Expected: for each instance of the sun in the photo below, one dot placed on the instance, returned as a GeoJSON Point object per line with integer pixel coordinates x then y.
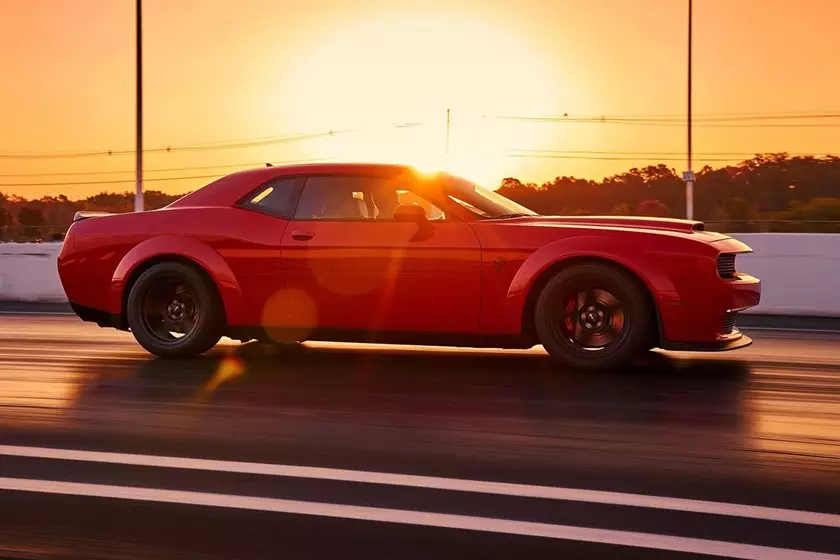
{"type": "Point", "coordinates": [392, 79]}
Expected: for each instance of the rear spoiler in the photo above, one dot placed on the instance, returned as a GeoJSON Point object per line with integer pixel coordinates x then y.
{"type": "Point", "coordinates": [84, 215]}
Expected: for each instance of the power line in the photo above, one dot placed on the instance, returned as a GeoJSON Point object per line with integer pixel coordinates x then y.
{"type": "Point", "coordinates": [167, 169]}
{"type": "Point", "coordinates": [113, 182]}
{"type": "Point", "coordinates": [711, 122]}
{"type": "Point", "coordinates": [189, 148]}
{"type": "Point", "coordinates": [221, 145]}
{"type": "Point", "coordinates": [682, 116]}
{"type": "Point", "coordinates": [518, 151]}
{"type": "Point", "coordinates": [149, 180]}
{"type": "Point", "coordinates": [611, 158]}
{"type": "Point", "coordinates": [678, 117]}
{"type": "Point", "coordinates": [616, 153]}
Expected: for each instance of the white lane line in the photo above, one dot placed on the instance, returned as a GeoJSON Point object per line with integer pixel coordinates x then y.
{"type": "Point", "coordinates": [56, 313]}
{"type": "Point", "coordinates": [437, 483]}
{"type": "Point", "coordinates": [420, 518]}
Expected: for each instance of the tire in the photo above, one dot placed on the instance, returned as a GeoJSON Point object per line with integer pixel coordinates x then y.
{"type": "Point", "coordinates": [174, 311]}
{"type": "Point", "coordinates": [593, 317]}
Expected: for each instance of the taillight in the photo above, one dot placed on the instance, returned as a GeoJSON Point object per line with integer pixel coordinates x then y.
{"type": "Point", "coordinates": [68, 244]}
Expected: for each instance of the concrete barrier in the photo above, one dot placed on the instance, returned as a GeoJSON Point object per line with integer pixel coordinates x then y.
{"type": "Point", "coordinates": [800, 272]}
{"type": "Point", "coordinates": [28, 272]}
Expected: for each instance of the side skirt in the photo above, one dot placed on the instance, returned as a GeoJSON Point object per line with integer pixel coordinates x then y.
{"type": "Point", "coordinates": [371, 337]}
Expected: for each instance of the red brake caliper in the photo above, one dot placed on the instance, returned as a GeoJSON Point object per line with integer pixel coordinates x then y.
{"type": "Point", "coordinates": [570, 316]}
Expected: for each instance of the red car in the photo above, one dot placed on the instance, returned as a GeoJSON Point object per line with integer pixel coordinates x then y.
{"type": "Point", "coordinates": [383, 253]}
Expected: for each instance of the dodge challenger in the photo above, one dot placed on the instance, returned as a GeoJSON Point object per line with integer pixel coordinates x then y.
{"type": "Point", "coordinates": [384, 253]}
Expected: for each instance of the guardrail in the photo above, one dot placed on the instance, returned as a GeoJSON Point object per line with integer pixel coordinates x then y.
{"type": "Point", "coordinates": [800, 272]}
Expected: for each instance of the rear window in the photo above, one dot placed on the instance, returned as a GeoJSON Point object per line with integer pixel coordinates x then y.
{"type": "Point", "coordinates": [276, 197]}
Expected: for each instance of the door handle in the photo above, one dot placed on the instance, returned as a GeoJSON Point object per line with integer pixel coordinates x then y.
{"type": "Point", "coordinates": [302, 235]}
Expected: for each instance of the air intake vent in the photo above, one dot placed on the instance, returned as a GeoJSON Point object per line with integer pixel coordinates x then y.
{"type": "Point", "coordinates": [729, 322]}
{"type": "Point", "coordinates": [726, 265]}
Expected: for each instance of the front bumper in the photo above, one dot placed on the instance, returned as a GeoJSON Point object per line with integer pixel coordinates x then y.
{"type": "Point", "coordinates": [701, 324]}
{"type": "Point", "coordinates": [734, 341]}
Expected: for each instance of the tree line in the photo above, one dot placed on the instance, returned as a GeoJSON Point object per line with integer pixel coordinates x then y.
{"type": "Point", "coordinates": [47, 218]}
{"type": "Point", "coordinates": [769, 192]}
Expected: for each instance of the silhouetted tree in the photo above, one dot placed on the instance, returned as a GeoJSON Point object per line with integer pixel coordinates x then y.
{"type": "Point", "coordinates": [622, 209]}
{"type": "Point", "coordinates": [763, 192]}
{"type": "Point", "coordinates": [756, 189]}
{"type": "Point", "coordinates": [652, 208]}
{"type": "Point", "coordinates": [31, 219]}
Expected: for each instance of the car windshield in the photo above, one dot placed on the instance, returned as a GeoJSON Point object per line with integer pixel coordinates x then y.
{"type": "Point", "coordinates": [482, 202]}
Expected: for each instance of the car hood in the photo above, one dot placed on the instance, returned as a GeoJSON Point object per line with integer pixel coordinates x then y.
{"type": "Point", "coordinates": [618, 222]}
{"type": "Point", "coordinates": [635, 222]}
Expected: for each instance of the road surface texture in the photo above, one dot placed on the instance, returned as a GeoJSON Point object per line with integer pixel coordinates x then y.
{"type": "Point", "coordinates": [363, 451]}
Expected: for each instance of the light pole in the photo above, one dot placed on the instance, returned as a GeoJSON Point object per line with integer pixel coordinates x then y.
{"type": "Point", "coordinates": [688, 176]}
{"type": "Point", "coordinates": [446, 155]}
{"type": "Point", "coordinates": [138, 194]}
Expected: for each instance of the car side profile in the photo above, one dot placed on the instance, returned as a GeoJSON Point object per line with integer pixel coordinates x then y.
{"type": "Point", "coordinates": [384, 253]}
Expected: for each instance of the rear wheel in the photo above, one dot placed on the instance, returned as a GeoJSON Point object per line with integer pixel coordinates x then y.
{"type": "Point", "coordinates": [174, 311]}
{"type": "Point", "coordinates": [593, 316]}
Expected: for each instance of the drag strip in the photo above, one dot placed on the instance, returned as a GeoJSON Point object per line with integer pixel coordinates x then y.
{"type": "Point", "coordinates": [435, 483]}
{"type": "Point", "coordinates": [312, 451]}
{"type": "Point", "coordinates": [617, 519]}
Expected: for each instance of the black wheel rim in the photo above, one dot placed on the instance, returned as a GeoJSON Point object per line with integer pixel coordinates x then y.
{"type": "Point", "coordinates": [593, 320]}
{"type": "Point", "coordinates": [169, 311]}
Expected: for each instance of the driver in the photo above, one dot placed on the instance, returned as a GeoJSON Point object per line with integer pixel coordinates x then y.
{"type": "Point", "coordinates": [386, 200]}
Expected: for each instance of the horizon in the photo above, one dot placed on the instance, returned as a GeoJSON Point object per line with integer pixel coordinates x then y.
{"type": "Point", "coordinates": [262, 83]}
{"type": "Point", "coordinates": [538, 184]}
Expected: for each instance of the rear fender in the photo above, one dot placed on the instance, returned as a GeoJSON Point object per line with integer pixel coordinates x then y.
{"type": "Point", "coordinates": [186, 248]}
{"type": "Point", "coordinates": [642, 264]}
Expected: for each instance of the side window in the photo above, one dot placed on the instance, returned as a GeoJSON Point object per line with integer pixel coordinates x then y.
{"type": "Point", "coordinates": [432, 211]}
{"type": "Point", "coordinates": [275, 197]}
{"type": "Point", "coordinates": [333, 198]}
{"type": "Point", "coordinates": [357, 198]}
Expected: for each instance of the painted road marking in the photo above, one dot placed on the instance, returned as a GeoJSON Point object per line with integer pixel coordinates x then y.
{"type": "Point", "coordinates": [437, 483]}
{"type": "Point", "coordinates": [418, 518]}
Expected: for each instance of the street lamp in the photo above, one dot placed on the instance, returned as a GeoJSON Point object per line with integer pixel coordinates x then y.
{"type": "Point", "coordinates": [688, 176]}
{"type": "Point", "coordinates": [138, 194]}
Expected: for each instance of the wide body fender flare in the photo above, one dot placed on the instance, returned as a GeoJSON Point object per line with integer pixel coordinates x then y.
{"type": "Point", "coordinates": [641, 263]}
{"type": "Point", "coordinates": [182, 248]}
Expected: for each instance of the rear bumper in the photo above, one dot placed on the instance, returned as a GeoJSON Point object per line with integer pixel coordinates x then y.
{"type": "Point", "coordinates": [101, 318]}
{"type": "Point", "coordinates": [701, 324]}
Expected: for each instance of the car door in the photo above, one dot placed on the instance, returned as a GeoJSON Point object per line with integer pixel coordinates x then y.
{"type": "Point", "coordinates": [349, 265]}
{"type": "Point", "coordinates": [251, 246]}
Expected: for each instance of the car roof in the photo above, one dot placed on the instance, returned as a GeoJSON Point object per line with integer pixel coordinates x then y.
{"type": "Point", "coordinates": [231, 188]}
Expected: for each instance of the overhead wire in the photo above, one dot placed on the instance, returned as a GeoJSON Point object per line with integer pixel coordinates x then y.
{"type": "Point", "coordinates": [206, 146]}
{"type": "Point", "coordinates": [161, 170]}
{"type": "Point", "coordinates": [266, 141]}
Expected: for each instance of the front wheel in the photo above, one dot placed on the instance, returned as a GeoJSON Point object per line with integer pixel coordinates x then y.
{"type": "Point", "coordinates": [174, 311]}
{"type": "Point", "coordinates": [593, 316]}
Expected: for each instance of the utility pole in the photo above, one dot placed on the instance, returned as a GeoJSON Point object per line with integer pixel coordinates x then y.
{"type": "Point", "coordinates": [446, 156]}
{"type": "Point", "coordinates": [138, 194]}
{"type": "Point", "coordinates": [688, 176]}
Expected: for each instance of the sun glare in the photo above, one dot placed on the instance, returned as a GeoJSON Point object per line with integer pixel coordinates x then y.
{"type": "Point", "coordinates": [392, 80]}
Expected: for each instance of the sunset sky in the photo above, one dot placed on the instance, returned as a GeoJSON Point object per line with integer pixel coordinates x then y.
{"type": "Point", "coordinates": [385, 71]}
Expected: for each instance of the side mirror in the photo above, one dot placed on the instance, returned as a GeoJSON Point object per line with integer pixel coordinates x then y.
{"type": "Point", "coordinates": [410, 213]}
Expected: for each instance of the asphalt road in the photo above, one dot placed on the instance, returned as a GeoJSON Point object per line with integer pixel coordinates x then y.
{"type": "Point", "coordinates": [354, 451]}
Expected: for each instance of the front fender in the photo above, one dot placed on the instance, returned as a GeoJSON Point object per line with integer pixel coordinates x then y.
{"type": "Point", "coordinates": [187, 248]}
{"type": "Point", "coordinates": [641, 263]}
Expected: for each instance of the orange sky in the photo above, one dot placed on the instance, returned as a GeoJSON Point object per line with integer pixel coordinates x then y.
{"type": "Point", "coordinates": [222, 70]}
